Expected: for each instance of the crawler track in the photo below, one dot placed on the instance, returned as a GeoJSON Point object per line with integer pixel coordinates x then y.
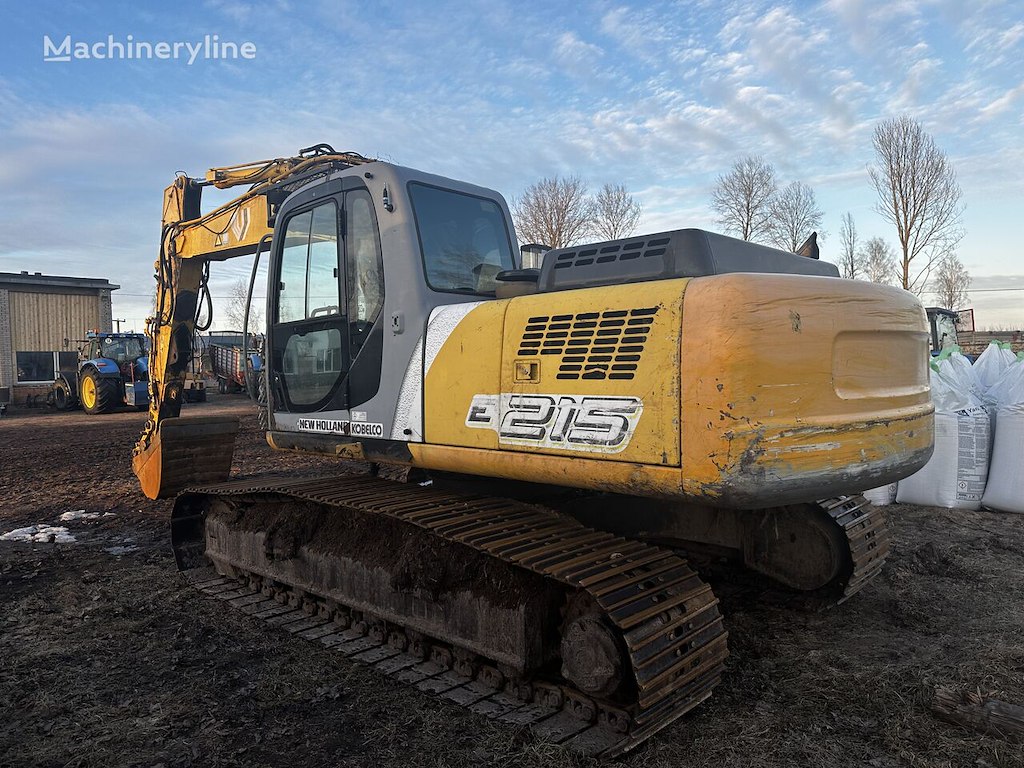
{"type": "Point", "coordinates": [662, 616]}
{"type": "Point", "coordinates": [866, 532]}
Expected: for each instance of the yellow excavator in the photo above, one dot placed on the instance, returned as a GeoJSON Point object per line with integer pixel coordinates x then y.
{"type": "Point", "coordinates": [565, 434]}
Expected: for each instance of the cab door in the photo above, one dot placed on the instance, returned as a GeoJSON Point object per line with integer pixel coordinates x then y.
{"type": "Point", "coordinates": [326, 299]}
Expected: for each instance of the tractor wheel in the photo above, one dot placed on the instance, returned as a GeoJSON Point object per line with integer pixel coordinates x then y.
{"type": "Point", "coordinates": [62, 398]}
{"type": "Point", "coordinates": [99, 395]}
{"type": "Point", "coordinates": [222, 386]}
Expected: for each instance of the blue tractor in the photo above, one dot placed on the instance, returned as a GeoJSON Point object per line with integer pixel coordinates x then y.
{"type": "Point", "coordinates": [112, 371]}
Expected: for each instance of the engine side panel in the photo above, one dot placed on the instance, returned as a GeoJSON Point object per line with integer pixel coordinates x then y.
{"type": "Point", "coordinates": [590, 373]}
{"type": "Point", "coordinates": [467, 361]}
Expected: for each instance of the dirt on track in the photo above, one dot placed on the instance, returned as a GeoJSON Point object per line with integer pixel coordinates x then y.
{"type": "Point", "coordinates": [107, 658]}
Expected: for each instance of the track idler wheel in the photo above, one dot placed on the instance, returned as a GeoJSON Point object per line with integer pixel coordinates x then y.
{"type": "Point", "coordinates": [798, 546]}
{"type": "Point", "coordinates": [592, 656]}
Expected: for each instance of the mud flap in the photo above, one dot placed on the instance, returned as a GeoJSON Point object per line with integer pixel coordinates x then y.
{"type": "Point", "coordinates": [186, 451]}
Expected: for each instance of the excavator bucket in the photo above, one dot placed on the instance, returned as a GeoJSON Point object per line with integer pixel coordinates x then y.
{"type": "Point", "coordinates": [184, 452]}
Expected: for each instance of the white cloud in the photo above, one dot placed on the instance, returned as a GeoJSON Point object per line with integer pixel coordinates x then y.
{"type": "Point", "coordinates": [1009, 38]}
{"type": "Point", "coordinates": [661, 97]}
{"type": "Point", "coordinates": [569, 47]}
{"type": "Point", "coordinates": [1000, 105]}
{"type": "Point", "coordinates": [919, 76]}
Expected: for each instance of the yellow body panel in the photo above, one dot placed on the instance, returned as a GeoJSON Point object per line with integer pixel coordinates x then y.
{"type": "Point", "coordinates": [755, 389]}
{"type": "Point", "coordinates": [573, 365]}
{"type": "Point", "coordinates": [798, 381]}
{"type": "Point", "coordinates": [467, 364]}
{"type": "Point", "coordinates": [597, 474]}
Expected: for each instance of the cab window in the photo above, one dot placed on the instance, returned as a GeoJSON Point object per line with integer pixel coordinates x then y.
{"type": "Point", "coordinates": [365, 276]}
{"type": "Point", "coordinates": [309, 266]}
{"type": "Point", "coordinates": [946, 331]}
{"type": "Point", "coordinates": [309, 307]}
{"type": "Point", "coordinates": [464, 239]}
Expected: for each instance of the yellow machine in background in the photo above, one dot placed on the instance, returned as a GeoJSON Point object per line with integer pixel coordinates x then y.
{"type": "Point", "coordinates": [572, 429]}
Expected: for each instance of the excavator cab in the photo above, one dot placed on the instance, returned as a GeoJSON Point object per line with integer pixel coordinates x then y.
{"type": "Point", "coordinates": [942, 327]}
{"type": "Point", "coordinates": [359, 258]}
{"type": "Point", "coordinates": [345, 320]}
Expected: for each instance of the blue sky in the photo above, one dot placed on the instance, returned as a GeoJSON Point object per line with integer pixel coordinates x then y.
{"type": "Point", "coordinates": [662, 97]}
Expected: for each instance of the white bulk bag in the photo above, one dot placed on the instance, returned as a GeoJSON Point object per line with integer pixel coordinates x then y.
{"type": "Point", "coordinates": [1005, 489]}
{"type": "Point", "coordinates": [1006, 389]}
{"type": "Point", "coordinates": [881, 496]}
{"type": "Point", "coordinates": [991, 363]}
{"type": "Point", "coordinates": [955, 475]}
{"type": "Point", "coordinates": [960, 373]}
{"type": "Point", "coordinates": [964, 378]}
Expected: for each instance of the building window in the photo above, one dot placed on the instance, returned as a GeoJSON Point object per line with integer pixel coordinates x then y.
{"type": "Point", "coordinates": [36, 366]}
{"type": "Point", "coordinates": [67, 362]}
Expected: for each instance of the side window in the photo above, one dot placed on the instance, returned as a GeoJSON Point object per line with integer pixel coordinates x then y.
{"type": "Point", "coordinates": [365, 276]}
{"type": "Point", "coordinates": [291, 300]}
{"type": "Point", "coordinates": [323, 294]}
{"type": "Point", "coordinates": [309, 266]}
{"type": "Point", "coordinates": [464, 239]}
{"type": "Point", "coordinates": [309, 293]}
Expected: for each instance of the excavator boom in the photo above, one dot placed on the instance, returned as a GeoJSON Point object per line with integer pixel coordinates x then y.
{"type": "Point", "coordinates": [174, 451]}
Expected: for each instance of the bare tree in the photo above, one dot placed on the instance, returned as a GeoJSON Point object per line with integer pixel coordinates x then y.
{"type": "Point", "coordinates": [616, 213]}
{"type": "Point", "coordinates": [879, 262]}
{"type": "Point", "coordinates": [851, 261]}
{"type": "Point", "coordinates": [794, 215]}
{"type": "Point", "coordinates": [918, 193]}
{"type": "Point", "coordinates": [234, 309]}
{"type": "Point", "coordinates": [556, 212]}
{"type": "Point", "coordinates": [951, 282]}
{"type": "Point", "coordinates": [742, 198]}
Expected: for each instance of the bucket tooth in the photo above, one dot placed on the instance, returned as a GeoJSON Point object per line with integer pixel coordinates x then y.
{"type": "Point", "coordinates": [186, 451]}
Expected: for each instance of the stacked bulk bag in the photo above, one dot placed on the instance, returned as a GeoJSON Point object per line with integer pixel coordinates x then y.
{"type": "Point", "coordinates": [988, 368]}
{"type": "Point", "coordinates": [955, 475]}
{"type": "Point", "coordinates": [991, 363]}
{"type": "Point", "coordinates": [1005, 490]}
{"type": "Point", "coordinates": [881, 496]}
{"type": "Point", "coordinates": [959, 371]}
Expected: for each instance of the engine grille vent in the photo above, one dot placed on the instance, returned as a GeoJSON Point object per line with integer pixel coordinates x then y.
{"type": "Point", "coordinates": [623, 250]}
{"type": "Point", "coordinates": [592, 345]}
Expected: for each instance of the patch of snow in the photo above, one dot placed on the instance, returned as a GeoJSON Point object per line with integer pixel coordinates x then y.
{"type": "Point", "coordinates": [40, 533]}
{"type": "Point", "coordinates": [118, 549]}
{"type": "Point", "coordinates": [78, 514]}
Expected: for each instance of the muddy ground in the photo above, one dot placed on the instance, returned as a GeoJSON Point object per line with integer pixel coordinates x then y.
{"type": "Point", "coordinates": [108, 659]}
